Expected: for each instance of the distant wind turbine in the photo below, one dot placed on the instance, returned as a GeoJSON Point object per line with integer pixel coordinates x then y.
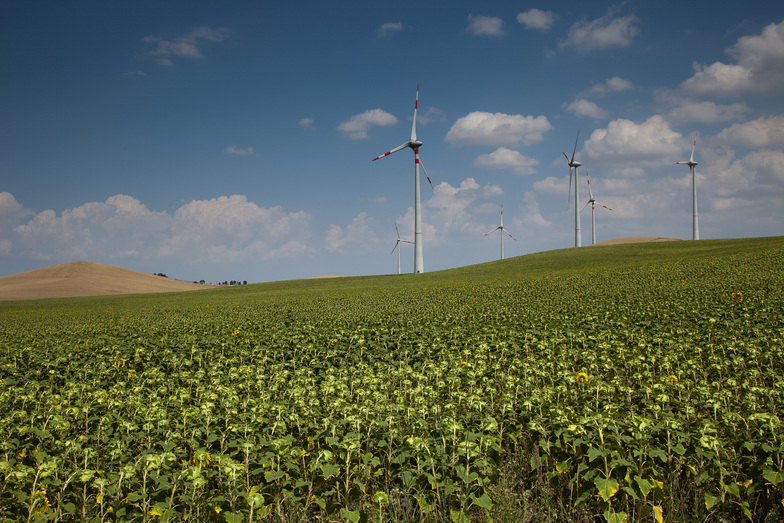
{"type": "Point", "coordinates": [695, 235]}
{"type": "Point", "coordinates": [398, 242]}
{"type": "Point", "coordinates": [574, 164]}
{"type": "Point", "coordinates": [592, 201]}
{"type": "Point", "coordinates": [413, 143]}
{"type": "Point", "coordinates": [503, 231]}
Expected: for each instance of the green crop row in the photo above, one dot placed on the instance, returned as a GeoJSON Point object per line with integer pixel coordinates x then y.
{"type": "Point", "coordinates": [633, 383]}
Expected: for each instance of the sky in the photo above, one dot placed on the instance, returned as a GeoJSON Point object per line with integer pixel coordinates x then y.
{"type": "Point", "coordinates": [234, 141]}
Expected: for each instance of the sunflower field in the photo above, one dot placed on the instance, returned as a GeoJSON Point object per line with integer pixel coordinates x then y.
{"type": "Point", "coordinates": [620, 383]}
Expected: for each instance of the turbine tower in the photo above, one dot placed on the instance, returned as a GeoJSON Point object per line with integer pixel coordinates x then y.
{"type": "Point", "coordinates": [574, 164]}
{"type": "Point", "coordinates": [695, 235]}
{"type": "Point", "coordinates": [592, 201]}
{"type": "Point", "coordinates": [503, 231]}
{"type": "Point", "coordinates": [398, 242]}
{"type": "Point", "coordinates": [414, 144]}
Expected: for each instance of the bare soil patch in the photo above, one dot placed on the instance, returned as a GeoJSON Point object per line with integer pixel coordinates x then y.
{"type": "Point", "coordinates": [69, 280]}
{"type": "Point", "coordinates": [638, 239]}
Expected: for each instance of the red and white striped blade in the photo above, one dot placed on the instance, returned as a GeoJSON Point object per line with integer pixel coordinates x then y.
{"type": "Point", "coordinates": [515, 239]}
{"type": "Point", "coordinates": [396, 149]}
{"type": "Point", "coordinates": [417, 160]}
{"type": "Point", "coordinates": [491, 232]}
{"type": "Point", "coordinates": [600, 205]}
{"type": "Point", "coordinates": [590, 194]}
{"type": "Point", "coordinates": [413, 125]}
{"type": "Point", "coordinates": [693, 147]}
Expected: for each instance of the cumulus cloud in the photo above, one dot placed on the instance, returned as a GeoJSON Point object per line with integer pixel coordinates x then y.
{"type": "Point", "coordinates": [583, 107]}
{"type": "Point", "coordinates": [503, 158]}
{"type": "Point", "coordinates": [536, 19]}
{"type": "Point", "coordinates": [645, 143]}
{"type": "Point", "coordinates": [615, 84]}
{"type": "Point", "coordinates": [485, 25]}
{"type": "Point", "coordinates": [307, 123]}
{"type": "Point", "coordinates": [228, 228]}
{"type": "Point", "coordinates": [451, 208]}
{"type": "Point", "coordinates": [233, 149]}
{"type": "Point", "coordinates": [356, 127]}
{"type": "Point", "coordinates": [482, 128]}
{"type": "Point", "coordinates": [186, 46]}
{"type": "Point", "coordinates": [764, 132]}
{"type": "Point", "coordinates": [388, 29]}
{"type": "Point", "coordinates": [357, 233]}
{"type": "Point", "coordinates": [706, 111]}
{"type": "Point", "coordinates": [759, 67]}
{"type": "Point", "coordinates": [606, 31]}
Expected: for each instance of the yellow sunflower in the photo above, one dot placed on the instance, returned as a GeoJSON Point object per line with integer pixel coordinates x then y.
{"type": "Point", "coordinates": [582, 378]}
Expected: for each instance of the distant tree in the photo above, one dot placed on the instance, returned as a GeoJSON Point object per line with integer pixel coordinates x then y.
{"type": "Point", "coordinates": [201, 281]}
{"type": "Point", "coordinates": [161, 274]}
{"type": "Point", "coordinates": [245, 282]}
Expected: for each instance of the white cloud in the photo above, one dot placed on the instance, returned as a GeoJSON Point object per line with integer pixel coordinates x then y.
{"type": "Point", "coordinates": [606, 31]}
{"type": "Point", "coordinates": [705, 111]}
{"type": "Point", "coordinates": [762, 132]}
{"type": "Point", "coordinates": [485, 25]}
{"type": "Point", "coordinates": [615, 84]}
{"type": "Point", "coordinates": [451, 209]}
{"type": "Point", "coordinates": [759, 67]}
{"type": "Point", "coordinates": [241, 152]}
{"type": "Point", "coordinates": [536, 19]}
{"type": "Point", "coordinates": [356, 127]}
{"type": "Point", "coordinates": [503, 158]}
{"type": "Point", "coordinates": [482, 128]}
{"type": "Point", "coordinates": [583, 107]}
{"type": "Point", "coordinates": [201, 231]}
{"type": "Point", "coordinates": [184, 46]}
{"type": "Point", "coordinates": [389, 29]}
{"type": "Point", "coordinates": [357, 233]}
{"type": "Point", "coordinates": [650, 142]}
{"type": "Point", "coordinates": [533, 215]}
{"type": "Point", "coordinates": [307, 123]}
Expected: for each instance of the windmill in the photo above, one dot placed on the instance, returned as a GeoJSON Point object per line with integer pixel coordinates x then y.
{"type": "Point", "coordinates": [574, 164]}
{"type": "Point", "coordinates": [593, 202]}
{"type": "Point", "coordinates": [414, 144]}
{"type": "Point", "coordinates": [503, 231]}
{"type": "Point", "coordinates": [692, 164]}
{"type": "Point", "coordinates": [398, 242]}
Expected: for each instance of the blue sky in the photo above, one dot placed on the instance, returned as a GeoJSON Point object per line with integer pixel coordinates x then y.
{"type": "Point", "coordinates": [234, 141]}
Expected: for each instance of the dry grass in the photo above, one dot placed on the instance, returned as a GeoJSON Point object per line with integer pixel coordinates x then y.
{"type": "Point", "coordinates": [69, 280]}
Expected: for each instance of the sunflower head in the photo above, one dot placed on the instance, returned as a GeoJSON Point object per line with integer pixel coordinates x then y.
{"type": "Point", "coordinates": [581, 378]}
{"type": "Point", "coordinates": [39, 502]}
{"type": "Point", "coordinates": [673, 379]}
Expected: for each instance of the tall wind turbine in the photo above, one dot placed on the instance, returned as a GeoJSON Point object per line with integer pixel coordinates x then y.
{"type": "Point", "coordinates": [398, 242]}
{"type": "Point", "coordinates": [503, 231]}
{"type": "Point", "coordinates": [695, 235]}
{"type": "Point", "coordinates": [413, 143]}
{"type": "Point", "coordinates": [592, 201]}
{"type": "Point", "coordinates": [574, 164]}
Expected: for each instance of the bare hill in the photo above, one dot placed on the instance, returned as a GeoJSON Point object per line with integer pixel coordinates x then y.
{"type": "Point", "coordinates": [638, 239]}
{"type": "Point", "coordinates": [68, 280]}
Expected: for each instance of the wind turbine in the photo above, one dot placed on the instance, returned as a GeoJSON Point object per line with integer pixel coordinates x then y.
{"type": "Point", "coordinates": [503, 231]}
{"type": "Point", "coordinates": [592, 201]}
{"type": "Point", "coordinates": [692, 164]}
{"type": "Point", "coordinates": [398, 242]}
{"type": "Point", "coordinates": [414, 144]}
{"type": "Point", "coordinates": [574, 164]}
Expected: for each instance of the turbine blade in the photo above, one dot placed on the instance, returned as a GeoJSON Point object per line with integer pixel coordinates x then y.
{"type": "Point", "coordinates": [395, 247]}
{"type": "Point", "coordinates": [693, 147]}
{"type": "Point", "coordinates": [590, 194]}
{"type": "Point", "coordinates": [397, 231]}
{"type": "Point", "coordinates": [515, 239]}
{"type": "Point", "coordinates": [586, 205]}
{"type": "Point", "coordinates": [575, 144]}
{"type": "Point", "coordinates": [396, 149]}
{"type": "Point", "coordinates": [491, 232]}
{"type": "Point", "coordinates": [413, 125]}
{"type": "Point", "coordinates": [600, 205]}
{"type": "Point", "coordinates": [569, 195]}
{"type": "Point", "coordinates": [425, 170]}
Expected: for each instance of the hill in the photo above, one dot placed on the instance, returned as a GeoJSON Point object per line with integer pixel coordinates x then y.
{"type": "Point", "coordinates": [69, 280]}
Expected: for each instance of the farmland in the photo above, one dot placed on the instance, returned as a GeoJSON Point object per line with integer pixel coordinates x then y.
{"type": "Point", "coordinates": [636, 382]}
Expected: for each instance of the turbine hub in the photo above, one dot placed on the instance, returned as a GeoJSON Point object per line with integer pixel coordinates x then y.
{"type": "Point", "coordinates": [415, 144]}
{"type": "Point", "coordinates": [574, 163]}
